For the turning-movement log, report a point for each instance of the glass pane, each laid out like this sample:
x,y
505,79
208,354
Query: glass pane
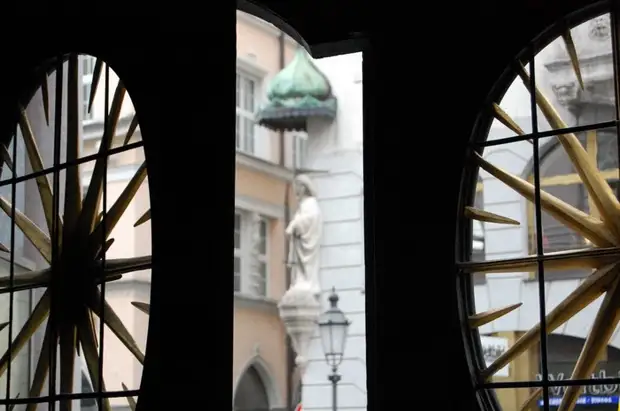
x,y
249,95
238,131
237,240
261,279
238,90
249,135
262,242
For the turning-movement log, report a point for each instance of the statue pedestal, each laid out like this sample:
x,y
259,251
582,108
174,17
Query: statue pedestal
x,y
300,310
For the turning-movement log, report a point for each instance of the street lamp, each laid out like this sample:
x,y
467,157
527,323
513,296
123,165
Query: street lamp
x,y
333,326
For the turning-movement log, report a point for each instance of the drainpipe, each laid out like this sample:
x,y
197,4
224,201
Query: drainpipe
x,y
290,354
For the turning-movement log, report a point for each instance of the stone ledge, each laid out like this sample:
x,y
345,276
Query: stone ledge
x,y
268,305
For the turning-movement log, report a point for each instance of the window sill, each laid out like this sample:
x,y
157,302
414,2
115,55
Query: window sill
x,y
252,302
258,164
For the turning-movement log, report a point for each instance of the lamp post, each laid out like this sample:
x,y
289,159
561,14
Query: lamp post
x,y
333,326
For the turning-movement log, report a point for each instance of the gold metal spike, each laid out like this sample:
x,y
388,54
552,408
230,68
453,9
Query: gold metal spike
x,y
598,188
130,399
33,233
92,200
575,219
105,248
506,120
114,323
95,83
144,307
481,215
35,278
572,53
36,162
144,218
478,320
131,130
589,290
531,401
592,150
42,368
38,315
88,342
561,260
73,186
128,265
604,325
45,95
115,213
6,157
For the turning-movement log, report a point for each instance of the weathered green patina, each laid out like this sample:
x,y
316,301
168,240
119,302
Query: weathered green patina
x,y
296,93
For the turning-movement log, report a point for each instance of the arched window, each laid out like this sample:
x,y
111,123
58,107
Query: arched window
x,y
561,161
75,251
251,394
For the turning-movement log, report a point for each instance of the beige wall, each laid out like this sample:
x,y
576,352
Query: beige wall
x,y
260,333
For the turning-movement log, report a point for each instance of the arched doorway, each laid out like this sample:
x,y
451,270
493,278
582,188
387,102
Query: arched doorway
x,y
251,392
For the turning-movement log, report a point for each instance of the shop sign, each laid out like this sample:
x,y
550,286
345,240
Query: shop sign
x,y
583,400
592,390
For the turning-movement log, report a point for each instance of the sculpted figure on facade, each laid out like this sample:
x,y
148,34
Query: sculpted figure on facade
x,y
305,232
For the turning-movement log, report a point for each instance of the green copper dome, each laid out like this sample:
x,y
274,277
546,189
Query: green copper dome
x,y
296,93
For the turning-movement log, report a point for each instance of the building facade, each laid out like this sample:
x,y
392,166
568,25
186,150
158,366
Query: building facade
x,y
265,165
315,107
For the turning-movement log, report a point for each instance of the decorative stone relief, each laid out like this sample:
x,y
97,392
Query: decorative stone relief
x,y
600,28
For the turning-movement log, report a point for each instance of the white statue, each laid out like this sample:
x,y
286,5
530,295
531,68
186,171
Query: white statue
x,y
305,231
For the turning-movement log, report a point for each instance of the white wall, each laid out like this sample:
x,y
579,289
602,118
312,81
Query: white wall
x,y
336,149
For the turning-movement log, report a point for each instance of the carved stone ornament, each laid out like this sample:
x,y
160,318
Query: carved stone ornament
x,y
299,311
600,28
566,93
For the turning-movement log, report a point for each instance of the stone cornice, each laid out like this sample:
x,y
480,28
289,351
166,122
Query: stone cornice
x,y
263,166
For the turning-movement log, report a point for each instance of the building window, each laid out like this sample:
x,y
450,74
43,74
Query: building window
x,y
251,253
246,101
88,68
300,150
260,275
237,256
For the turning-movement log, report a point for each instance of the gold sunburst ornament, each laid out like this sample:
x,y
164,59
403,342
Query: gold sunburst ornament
x,y
600,228
76,249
